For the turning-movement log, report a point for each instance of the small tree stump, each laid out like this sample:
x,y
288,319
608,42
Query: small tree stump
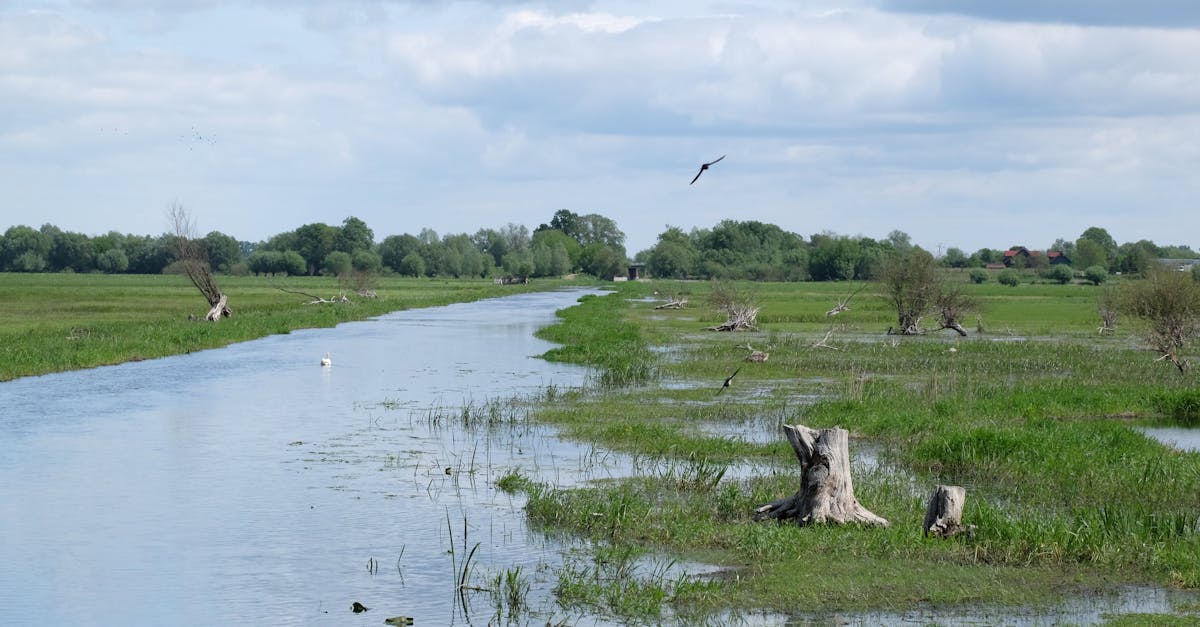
x,y
943,516
826,493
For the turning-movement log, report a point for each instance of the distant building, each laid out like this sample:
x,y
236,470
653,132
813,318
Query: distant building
x,y
1182,265
1053,257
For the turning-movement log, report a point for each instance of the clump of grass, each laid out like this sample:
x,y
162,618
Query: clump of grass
x,y
1181,406
514,481
594,333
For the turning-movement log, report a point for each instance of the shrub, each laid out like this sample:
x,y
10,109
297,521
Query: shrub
x,y
978,275
1096,275
1009,277
1060,274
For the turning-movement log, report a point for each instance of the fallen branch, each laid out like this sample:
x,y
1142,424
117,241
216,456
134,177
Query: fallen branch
x,y
823,342
317,300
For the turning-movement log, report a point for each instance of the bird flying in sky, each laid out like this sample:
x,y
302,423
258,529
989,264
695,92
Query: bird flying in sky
x,y
704,166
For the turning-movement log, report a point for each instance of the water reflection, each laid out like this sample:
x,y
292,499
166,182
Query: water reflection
x,y
240,485
1181,438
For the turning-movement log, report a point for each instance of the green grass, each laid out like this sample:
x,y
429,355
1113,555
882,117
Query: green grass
x,y
1034,416
56,322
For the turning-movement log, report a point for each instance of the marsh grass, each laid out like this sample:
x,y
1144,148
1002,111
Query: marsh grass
x,y
1035,417
56,322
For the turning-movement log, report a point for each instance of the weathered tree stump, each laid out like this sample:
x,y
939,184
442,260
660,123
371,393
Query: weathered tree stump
x,y
826,493
219,309
943,516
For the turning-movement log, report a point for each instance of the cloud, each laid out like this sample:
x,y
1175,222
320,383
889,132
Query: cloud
x,y
1120,13
456,115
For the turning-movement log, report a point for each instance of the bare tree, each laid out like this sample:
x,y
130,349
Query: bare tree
x,y
193,255
951,305
739,308
1168,302
1108,305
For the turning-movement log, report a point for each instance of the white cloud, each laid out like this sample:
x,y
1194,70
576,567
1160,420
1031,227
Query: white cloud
x,y
958,129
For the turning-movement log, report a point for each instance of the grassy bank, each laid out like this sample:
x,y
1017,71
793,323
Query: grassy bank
x,y
56,322
1033,413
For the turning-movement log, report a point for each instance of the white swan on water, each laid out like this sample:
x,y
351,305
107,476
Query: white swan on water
x,y
326,361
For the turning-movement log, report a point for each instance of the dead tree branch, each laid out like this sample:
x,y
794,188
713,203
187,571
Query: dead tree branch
x,y
193,255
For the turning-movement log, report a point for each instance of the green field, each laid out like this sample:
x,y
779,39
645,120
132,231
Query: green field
x,y
1033,412
56,322
1035,416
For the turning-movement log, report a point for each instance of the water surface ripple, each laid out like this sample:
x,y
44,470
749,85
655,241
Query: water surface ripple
x,y
249,485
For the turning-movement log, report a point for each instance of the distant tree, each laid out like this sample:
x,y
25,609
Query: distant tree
x,y
354,236
603,261
913,284
1178,251
292,263
900,241
1009,277
395,248
1105,241
555,239
833,257
337,263
71,251
978,275
1060,273
595,228
1095,275
314,242
1089,253
223,250
366,261
984,256
1168,302
28,244
519,263
112,261
954,258
28,261
265,261
565,222
1136,257
412,265
673,256
1066,247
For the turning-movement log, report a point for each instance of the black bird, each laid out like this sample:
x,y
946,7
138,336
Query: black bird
x,y
704,166
728,380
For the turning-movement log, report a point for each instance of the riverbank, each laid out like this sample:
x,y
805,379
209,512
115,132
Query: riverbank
x,y
59,322
1032,412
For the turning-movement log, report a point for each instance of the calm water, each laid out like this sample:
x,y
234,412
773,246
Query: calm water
x,y
249,485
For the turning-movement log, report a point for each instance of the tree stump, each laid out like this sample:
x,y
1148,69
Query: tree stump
x,y
826,493
219,309
943,516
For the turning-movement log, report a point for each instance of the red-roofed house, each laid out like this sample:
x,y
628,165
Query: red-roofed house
x,y
1054,257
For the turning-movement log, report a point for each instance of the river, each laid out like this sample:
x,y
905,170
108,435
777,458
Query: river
x,y
251,485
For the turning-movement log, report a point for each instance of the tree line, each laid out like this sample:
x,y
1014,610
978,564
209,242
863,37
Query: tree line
x,y
569,242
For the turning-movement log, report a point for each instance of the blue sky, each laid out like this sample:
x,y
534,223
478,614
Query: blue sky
x,y
963,123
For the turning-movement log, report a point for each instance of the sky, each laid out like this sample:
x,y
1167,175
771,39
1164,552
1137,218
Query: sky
x,y
963,123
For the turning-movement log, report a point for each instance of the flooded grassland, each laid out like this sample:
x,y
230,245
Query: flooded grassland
x,y
1080,514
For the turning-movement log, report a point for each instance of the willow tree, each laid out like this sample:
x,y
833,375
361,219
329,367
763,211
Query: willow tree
x,y
192,254
1168,301
912,282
